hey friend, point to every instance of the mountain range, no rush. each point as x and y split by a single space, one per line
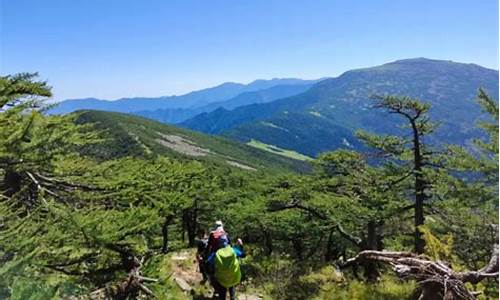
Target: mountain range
302 118
177 115
174 109
326 116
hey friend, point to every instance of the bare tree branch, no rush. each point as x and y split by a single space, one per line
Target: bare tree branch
434 277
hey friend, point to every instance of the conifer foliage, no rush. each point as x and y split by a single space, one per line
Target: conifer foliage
76 223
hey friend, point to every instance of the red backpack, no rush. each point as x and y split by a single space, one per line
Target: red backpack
218 239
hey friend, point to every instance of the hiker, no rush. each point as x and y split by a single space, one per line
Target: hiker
226 266
216 235
201 242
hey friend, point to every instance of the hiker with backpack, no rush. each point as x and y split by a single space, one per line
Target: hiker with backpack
216 235
226 268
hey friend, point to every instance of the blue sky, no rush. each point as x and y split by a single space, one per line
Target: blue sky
123 48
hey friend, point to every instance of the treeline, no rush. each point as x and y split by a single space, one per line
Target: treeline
79 223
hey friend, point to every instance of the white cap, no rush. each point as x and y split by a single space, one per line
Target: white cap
218 223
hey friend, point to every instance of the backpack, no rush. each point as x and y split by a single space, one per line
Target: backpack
220 239
227 267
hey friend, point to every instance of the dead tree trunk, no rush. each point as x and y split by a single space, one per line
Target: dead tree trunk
129 288
435 278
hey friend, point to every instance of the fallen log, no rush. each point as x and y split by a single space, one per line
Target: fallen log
128 288
436 279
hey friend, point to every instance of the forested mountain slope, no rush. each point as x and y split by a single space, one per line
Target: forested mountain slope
326 116
135 136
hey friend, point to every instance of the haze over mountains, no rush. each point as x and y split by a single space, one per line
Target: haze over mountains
177 115
312 116
173 109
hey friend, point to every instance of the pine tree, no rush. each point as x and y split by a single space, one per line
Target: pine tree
418 157
471 208
352 198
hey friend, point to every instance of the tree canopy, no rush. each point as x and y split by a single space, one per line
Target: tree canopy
77 223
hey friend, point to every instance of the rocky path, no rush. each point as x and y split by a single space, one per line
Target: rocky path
188 278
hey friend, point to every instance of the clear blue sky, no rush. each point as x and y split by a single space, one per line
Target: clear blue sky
123 48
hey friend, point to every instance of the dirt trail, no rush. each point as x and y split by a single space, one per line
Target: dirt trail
187 277
185 270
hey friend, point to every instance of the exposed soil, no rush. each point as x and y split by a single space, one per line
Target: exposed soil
182 145
240 165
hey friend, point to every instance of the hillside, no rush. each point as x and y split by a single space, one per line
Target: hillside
135 136
326 116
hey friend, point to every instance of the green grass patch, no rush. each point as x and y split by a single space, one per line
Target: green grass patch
279 151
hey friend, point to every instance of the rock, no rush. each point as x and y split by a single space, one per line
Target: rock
179 257
248 297
183 284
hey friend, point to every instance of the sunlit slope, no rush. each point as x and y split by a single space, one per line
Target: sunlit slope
327 116
130 135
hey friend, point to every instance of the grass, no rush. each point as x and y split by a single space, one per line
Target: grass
280 277
161 267
279 151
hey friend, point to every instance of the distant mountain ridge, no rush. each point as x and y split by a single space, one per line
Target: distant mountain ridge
326 116
192 100
177 115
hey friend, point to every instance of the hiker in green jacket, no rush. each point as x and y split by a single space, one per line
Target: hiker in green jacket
227 271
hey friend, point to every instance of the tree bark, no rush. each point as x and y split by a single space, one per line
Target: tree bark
164 231
434 277
268 242
419 189
329 247
190 220
371 243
